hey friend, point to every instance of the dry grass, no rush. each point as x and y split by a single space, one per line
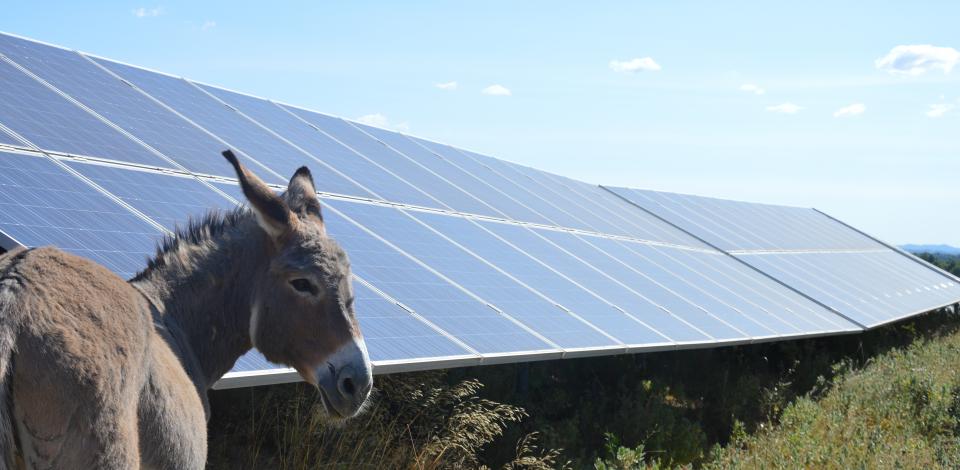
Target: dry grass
414 422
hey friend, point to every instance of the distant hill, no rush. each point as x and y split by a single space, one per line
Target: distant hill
946 249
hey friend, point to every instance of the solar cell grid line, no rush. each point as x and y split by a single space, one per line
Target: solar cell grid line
168 199
119 104
762 291
558 289
234 130
53 123
911 257
739 238
637 223
8 139
646 204
559 195
396 162
500 204
316 121
489 284
652 262
915 269
442 303
43 204
839 275
711 316
603 286
514 208
738 225
688 220
558 215
903 273
488 176
379 182
827 295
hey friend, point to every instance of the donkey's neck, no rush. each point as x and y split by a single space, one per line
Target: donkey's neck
201 283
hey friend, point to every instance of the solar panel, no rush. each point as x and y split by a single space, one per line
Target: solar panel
132 111
167 199
840 268
43 204
484 281
429 295
372 177
238 132
564 292
51 122
445 193
500 262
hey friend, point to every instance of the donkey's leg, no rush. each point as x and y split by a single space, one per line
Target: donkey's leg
173 425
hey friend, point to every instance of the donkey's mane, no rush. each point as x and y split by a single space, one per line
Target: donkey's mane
197 231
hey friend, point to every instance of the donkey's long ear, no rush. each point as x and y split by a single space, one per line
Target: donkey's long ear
272 213
301 197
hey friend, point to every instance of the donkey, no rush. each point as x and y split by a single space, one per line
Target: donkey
96 372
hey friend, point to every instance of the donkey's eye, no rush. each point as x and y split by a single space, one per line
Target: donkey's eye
303 285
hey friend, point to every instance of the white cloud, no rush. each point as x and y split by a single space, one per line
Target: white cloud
785 108
496 90
635 65
938 110
379 120
918 59
208 25
446 85
850 111
144 12
752 88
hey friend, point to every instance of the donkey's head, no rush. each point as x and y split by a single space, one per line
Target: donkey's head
302 312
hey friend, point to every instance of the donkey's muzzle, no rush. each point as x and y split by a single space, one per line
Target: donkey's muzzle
345 380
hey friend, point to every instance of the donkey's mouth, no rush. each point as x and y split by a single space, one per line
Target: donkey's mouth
328 405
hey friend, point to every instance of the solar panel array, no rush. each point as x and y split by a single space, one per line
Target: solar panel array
459 258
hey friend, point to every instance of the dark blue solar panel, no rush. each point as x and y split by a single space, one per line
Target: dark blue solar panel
372 177
410 171
127 108
663 291
392 334
557 288
680 326
522 212
448 307
481 279
239 132
169 200
8 139
43 204
727 304
756 288
501 204
521 190
51 122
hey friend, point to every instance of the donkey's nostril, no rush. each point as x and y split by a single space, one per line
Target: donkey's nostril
348 387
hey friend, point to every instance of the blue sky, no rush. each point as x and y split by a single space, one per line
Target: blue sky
647 95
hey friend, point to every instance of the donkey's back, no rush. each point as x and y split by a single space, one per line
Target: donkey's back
74 342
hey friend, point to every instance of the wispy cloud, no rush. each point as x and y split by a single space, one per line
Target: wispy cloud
496 90
752 88
918 59
635 65
939 109
785 108
208 25
446 85
850 111
144 12
379 120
